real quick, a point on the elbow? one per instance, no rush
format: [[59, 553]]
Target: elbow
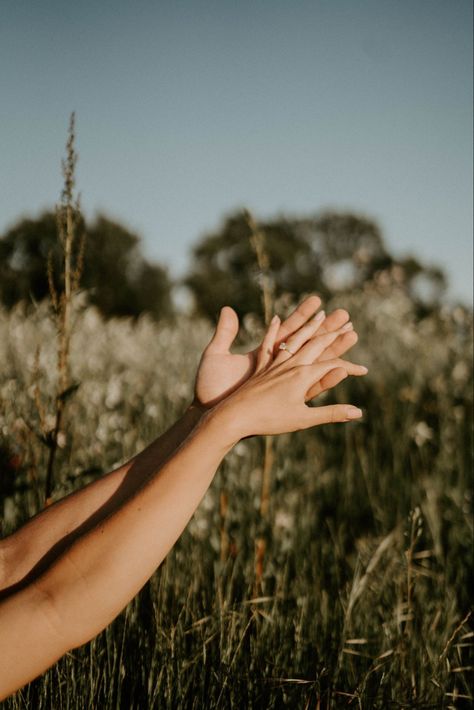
[[49, 609], [68, 630], [32, 637], [67, 606]]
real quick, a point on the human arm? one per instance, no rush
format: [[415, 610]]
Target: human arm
[[88, 585], [51, 529], [28, 550]]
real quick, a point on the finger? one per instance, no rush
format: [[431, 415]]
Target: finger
[[335, 320], [295, 341], [340, 346], [226, 331], [334, 377], [265, 352], [331, 413], [299, 316], [310, 375], [312, 350]]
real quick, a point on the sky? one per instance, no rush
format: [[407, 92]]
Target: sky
[[191, 109]]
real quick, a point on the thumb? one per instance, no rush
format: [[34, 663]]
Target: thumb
[[226, 331]]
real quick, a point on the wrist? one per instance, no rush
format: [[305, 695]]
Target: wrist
[[194, 412], [224, 419]]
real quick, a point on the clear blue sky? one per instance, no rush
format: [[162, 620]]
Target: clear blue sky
[[189, 109]]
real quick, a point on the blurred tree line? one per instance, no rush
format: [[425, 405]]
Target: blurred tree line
[[115, 274], [328, 253]]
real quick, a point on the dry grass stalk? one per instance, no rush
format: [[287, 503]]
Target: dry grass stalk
[[224, 536], [416, 529], [257, 240], [68, 220], [449, 642]]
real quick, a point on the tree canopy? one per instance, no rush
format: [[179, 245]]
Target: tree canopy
[[117, 277], [327, 253]]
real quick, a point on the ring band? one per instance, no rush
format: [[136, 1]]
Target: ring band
[[284, 346]]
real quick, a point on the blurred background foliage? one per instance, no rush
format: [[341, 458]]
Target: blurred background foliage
[[365, 593], [329, 253], [367, 573], [118, 279]]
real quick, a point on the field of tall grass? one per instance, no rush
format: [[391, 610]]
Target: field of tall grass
[[362, 595]]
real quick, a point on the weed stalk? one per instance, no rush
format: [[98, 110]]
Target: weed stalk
[[68, 220], [257, 240]]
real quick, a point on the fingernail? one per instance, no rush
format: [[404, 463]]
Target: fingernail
[[364, 369], [319, 317], [347, 327], [274, 320], [354, 413]]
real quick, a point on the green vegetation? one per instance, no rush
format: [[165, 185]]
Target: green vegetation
[[328, 568], [365, 592], [111, 256], [338, 251]]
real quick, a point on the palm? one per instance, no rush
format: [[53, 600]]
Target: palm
[[220, 371], [220, 374]]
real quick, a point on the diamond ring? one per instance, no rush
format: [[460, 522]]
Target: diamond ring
[[284, 346]]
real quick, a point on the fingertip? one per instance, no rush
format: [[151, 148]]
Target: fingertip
[[227, 309], [347, 328], [353, 412], [225, 330], [342, 313], [350, 338], [310, 303], [312, 298]]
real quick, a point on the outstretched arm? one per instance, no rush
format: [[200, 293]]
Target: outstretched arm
[[51, 529], [92, 580], [219, 372]]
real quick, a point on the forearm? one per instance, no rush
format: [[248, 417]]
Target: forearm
[[21, 551], [119, 555], [103, 570]]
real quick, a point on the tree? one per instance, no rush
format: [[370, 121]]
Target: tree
[[225, 270], [328, 253], [117, 277]]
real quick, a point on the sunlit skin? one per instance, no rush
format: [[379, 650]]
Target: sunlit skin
[[220, 371], [70, 570]]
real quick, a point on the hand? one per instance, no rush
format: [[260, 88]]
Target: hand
[[220, 372], [273, 399]]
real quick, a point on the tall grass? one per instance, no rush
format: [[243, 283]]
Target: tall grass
[[68, 217], [364, 597], [267, 290]]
